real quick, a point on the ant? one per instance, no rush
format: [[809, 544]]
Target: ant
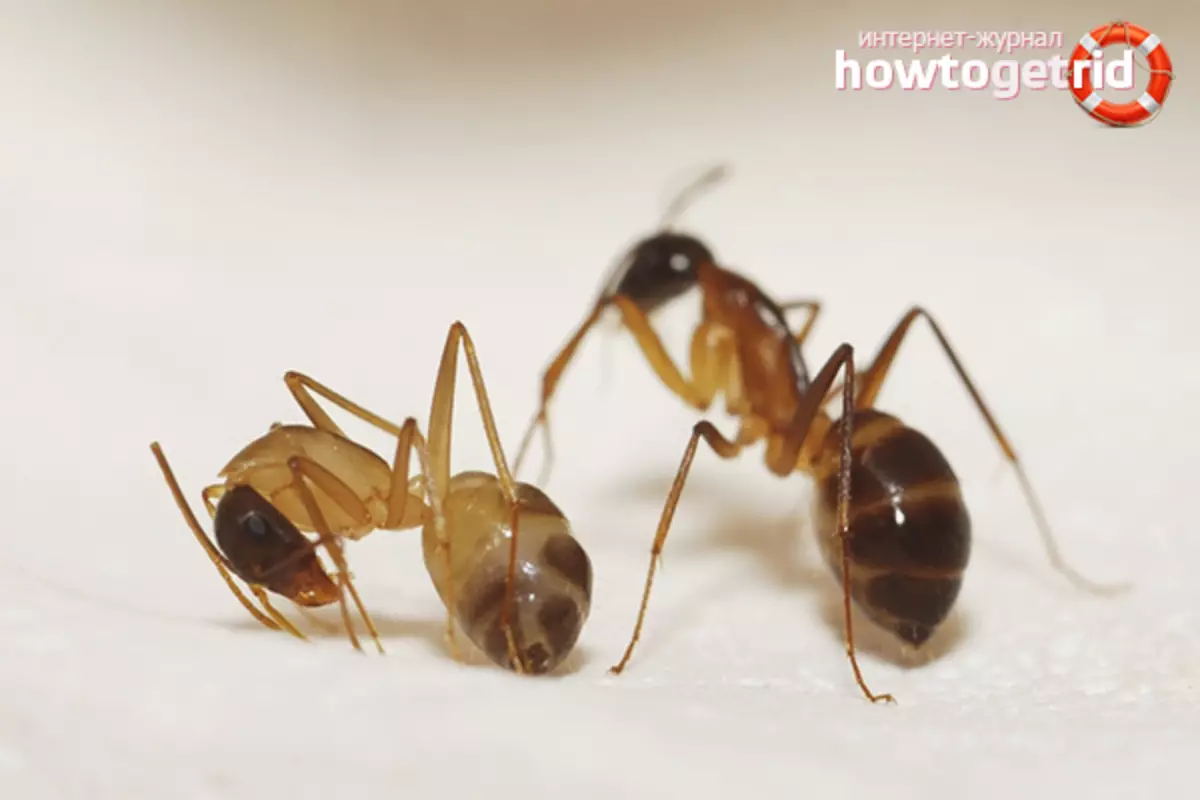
[[522, 599], [891, 520]]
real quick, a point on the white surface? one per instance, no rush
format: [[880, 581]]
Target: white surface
[[192, 203]]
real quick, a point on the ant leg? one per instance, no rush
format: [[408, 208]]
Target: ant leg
[[406, 511], [872, 381], [275, 614], [210, 549], [810, 425], [713, 363], [304, 387], [814, 310], [401, 512], [550, 379], [440, 422], [652, 349], [441, 413], [836, 391], [659, 359], [210, 495], [305, 472], [724, 448]]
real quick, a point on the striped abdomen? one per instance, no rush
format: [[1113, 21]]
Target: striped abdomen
[[552, 586], [910, 534]]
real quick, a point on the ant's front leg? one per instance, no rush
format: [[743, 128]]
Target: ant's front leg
[[696, 393], [724, 448], [659, 359], [550, 379], [304, 473], [267, 620]]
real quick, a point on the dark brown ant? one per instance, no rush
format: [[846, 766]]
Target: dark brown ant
[[522, 599], [890, 516]]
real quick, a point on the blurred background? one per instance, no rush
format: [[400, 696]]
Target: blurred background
[[198, 196]]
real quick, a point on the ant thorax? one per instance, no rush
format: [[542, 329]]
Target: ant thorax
[[263, 465]]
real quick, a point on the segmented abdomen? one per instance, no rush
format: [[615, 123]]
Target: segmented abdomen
[[552, 585], [910, 534]]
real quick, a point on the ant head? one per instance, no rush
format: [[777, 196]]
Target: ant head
[[265, 548], [664, 265], [661, 268]]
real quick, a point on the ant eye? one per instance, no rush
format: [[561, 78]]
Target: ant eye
[[255, 525], [680, 263]]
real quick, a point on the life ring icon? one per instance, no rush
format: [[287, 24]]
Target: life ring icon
[[1137, 112]]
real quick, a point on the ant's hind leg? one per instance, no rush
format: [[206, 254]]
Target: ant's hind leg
[[440, 436], [408, 511], [209, 548], [872, 381]]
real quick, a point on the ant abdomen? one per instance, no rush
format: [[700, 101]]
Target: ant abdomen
[[263, 548], [910, 533], [552, 584]]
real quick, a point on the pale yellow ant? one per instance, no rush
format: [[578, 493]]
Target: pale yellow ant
[[522, 599]]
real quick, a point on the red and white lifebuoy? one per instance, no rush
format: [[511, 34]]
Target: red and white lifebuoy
[[1146, 43]]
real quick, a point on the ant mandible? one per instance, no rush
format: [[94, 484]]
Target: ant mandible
[[890, 516], [522, 599]]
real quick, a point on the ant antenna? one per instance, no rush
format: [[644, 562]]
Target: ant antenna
[[688, 194]]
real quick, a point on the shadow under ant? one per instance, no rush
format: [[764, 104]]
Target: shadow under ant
[[777, 543], [326, 623]]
